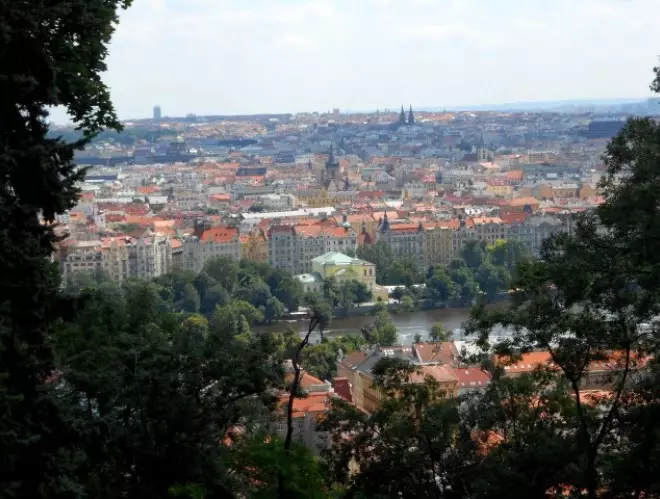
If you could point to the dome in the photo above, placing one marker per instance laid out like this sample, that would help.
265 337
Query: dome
346 225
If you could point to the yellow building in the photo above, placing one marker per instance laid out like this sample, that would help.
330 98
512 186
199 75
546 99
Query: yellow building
254 247
345 268
499 188
314 197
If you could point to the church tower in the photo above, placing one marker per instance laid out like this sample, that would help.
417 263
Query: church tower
402 116
411 117
331 166
483 154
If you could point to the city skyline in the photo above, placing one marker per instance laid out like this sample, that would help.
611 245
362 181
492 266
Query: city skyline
222 57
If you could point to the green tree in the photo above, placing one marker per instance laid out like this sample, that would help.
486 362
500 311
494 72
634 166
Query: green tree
50 55
439 285
406 447
321 309
383 331
215 296
289 291
509 253
190 301
439 333
464 279
273 309
223 270
256 292
474 253
593 297
262 463
407 304
152 392
492 279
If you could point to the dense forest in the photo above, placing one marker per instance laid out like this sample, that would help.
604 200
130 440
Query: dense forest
162 389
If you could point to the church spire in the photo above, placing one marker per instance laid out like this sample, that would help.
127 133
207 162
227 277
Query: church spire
411 116
402 116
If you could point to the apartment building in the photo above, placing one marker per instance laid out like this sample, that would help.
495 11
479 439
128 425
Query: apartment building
208 243
405 240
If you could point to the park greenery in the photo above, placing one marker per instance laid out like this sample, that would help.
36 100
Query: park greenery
164 389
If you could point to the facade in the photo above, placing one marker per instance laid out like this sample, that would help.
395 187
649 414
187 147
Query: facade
439 246
254 247
282 248
211 243
119 258
345 268
405 240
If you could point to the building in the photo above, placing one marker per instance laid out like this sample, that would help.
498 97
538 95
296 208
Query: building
80 256
254 246
282 248
308 412
439 246
157 113
343 268
357 368
405 240
208 243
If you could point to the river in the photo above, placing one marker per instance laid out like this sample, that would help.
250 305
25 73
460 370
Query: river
407 324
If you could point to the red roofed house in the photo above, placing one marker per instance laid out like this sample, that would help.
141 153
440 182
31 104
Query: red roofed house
208 243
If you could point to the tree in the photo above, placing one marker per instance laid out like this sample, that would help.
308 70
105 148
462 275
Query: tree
407 304
594 297
255 292
190 301
406 447
223 270
508 253
152 392
289 291
215 296
473 253
273 310
492 279
50 55
332 291
320 309
383 331
439 333
464 278
440 286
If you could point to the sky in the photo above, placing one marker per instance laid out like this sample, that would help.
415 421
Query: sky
270 56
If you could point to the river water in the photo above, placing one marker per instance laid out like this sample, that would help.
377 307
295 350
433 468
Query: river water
407 324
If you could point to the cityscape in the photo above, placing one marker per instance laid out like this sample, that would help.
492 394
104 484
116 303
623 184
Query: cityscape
232 268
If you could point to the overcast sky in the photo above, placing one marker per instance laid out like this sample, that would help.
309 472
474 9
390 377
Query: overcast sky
252 56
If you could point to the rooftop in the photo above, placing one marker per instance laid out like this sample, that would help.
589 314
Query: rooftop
336 258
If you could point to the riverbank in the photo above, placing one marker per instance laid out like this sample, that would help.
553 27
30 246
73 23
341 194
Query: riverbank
408 324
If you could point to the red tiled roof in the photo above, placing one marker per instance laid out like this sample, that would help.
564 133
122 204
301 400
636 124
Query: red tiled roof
444 352
471 377
220 234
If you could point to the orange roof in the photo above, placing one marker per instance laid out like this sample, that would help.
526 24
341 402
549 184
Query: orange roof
219 234
522 201
315 403
514 175
444 352
513 218
471 377
148 189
